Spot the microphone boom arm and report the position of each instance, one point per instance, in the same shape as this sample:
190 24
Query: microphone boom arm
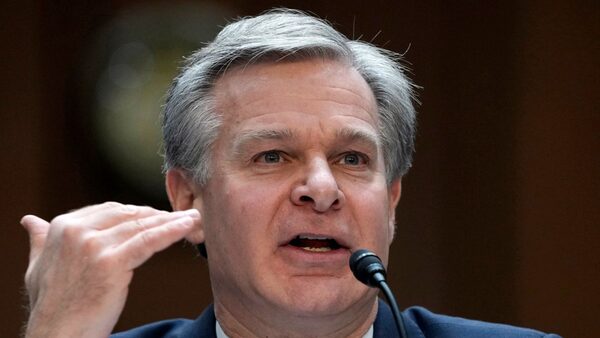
368 269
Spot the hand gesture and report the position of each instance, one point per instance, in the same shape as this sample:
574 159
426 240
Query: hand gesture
81 264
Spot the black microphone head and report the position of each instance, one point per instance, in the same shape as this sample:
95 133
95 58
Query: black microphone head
367 267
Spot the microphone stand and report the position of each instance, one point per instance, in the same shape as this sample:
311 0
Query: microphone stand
383 286
369 270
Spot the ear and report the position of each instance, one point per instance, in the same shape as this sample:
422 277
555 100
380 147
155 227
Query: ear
184 195
394 190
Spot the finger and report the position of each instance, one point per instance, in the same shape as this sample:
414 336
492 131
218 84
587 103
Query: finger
125 231
109 214
142 246
37 229
84 211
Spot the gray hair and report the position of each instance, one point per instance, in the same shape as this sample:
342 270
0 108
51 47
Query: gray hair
191 124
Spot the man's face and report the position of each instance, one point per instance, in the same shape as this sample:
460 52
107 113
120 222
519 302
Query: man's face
298 181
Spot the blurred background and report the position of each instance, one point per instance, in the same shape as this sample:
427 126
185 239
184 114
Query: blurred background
500 213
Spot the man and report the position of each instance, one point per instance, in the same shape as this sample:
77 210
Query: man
285 145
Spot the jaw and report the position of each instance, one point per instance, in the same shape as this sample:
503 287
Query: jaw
310 309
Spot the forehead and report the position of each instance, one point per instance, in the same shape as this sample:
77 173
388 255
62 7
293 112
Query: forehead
317 88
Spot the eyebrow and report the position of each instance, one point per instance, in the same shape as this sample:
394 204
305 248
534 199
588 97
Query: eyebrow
249 136
349 135
360 136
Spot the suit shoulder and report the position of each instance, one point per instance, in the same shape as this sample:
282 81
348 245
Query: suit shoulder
442 326
164 329
203 326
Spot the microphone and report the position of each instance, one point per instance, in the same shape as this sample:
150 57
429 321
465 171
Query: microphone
368 269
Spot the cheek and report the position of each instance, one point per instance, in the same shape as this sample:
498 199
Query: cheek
372 206
242 212
249 202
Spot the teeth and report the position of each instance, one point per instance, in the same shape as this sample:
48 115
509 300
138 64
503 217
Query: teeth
324 249
314 238
315 243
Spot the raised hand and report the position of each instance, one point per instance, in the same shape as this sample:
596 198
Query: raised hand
81 264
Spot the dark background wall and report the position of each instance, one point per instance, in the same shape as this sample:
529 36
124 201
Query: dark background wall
499 216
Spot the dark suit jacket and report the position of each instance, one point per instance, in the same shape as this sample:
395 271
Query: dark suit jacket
419 322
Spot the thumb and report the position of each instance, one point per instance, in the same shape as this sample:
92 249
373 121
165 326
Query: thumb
37 229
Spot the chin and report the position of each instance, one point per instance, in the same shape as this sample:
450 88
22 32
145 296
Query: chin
320 296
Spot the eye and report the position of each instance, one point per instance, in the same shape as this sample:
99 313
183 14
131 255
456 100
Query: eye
353 159
269 157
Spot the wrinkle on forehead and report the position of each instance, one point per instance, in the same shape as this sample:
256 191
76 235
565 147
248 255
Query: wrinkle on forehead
338 83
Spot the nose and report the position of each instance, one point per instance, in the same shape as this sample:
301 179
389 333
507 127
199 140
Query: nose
319 188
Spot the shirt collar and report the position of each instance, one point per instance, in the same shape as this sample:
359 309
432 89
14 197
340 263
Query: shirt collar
221 333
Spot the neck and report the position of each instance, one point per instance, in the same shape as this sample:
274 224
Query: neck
238 321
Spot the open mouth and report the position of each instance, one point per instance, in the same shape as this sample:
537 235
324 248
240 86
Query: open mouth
315 243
